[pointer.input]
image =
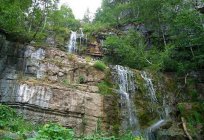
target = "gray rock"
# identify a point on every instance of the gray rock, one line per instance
(53, 78)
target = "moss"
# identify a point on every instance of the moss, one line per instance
(140, 83)
(112, 114)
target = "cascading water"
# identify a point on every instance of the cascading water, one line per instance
(150, 132)
(81, 35)
(72, 42)
(150, 87)
(126, 84)
(163, 114)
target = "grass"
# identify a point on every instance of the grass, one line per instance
(99, 65)
(105, 88)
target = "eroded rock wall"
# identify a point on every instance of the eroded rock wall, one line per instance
(48, 85)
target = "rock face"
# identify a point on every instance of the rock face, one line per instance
(44, 103)
(48, 85)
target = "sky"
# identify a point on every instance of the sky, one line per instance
(79, 7)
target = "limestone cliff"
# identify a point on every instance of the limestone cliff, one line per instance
(49, 85)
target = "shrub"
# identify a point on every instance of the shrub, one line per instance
(10, 121)
(105, 88)
(81, 79)
(54, 132)
(99, 65)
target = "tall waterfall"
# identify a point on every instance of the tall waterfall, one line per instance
(72, 42)
(125, 79)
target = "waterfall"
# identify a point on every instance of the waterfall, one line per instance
(150, 87)
(163, 113)
(81, 35)
(72, 42)
(125, 80)
(150, 132)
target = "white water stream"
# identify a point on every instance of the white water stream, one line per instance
(126, 89)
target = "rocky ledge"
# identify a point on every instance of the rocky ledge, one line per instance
(49, 85)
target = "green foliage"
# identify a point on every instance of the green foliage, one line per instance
(11, 121)
(23, 23)
(95, 27)
(126, 50)
(81, 79)
(176, 34)
(100, 65)
(129, 50)
(54, 132)
(192, 112)
(105, 88)
(65, 82)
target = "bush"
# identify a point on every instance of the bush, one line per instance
(10, 121)
(105, 88)
(81, 79)
(100, 65)
(54, 132)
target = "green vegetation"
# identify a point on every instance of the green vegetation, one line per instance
(81, 79)
(168, 34)
(105, 88)
(155, 35)
(36, 23)
(54, 132)
(193, 114)
(10, 121)
(100, 65)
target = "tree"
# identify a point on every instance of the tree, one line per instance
(87, 16)
(12, 14)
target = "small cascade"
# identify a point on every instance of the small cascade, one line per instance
(149, 85)
(81, 35)
(72, 42)
(162, 112)
(101, 42)
(150, 132)
(126, 87)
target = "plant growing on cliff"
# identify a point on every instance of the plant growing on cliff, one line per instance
(81, 79)
(10, 121)
(54, 132)
(100, 65)
(105, 87)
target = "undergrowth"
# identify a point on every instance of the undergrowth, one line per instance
(14, 127)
